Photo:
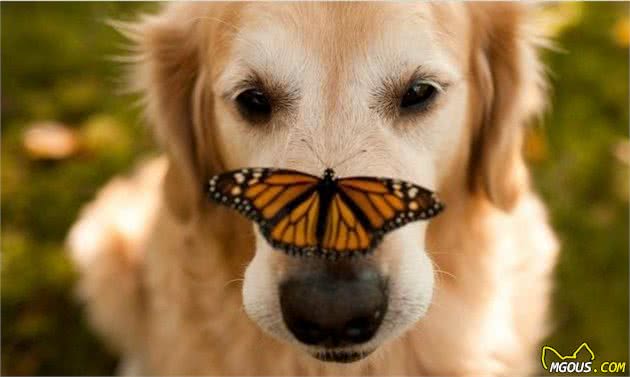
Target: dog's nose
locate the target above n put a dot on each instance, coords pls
(334, 305)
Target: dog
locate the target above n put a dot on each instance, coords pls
(438, 94)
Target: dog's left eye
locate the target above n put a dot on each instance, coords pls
(419, 95)
(254, 105)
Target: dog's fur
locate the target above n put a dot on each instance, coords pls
(161, 267)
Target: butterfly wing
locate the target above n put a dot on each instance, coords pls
(346, 231)
(376, 206)
(284, 203)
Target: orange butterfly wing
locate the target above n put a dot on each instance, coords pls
(344, 232)
(296, 230)
(364, 209)
(385, 204)
(283, 202)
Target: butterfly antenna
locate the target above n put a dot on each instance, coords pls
(314, 153)
(349, 158)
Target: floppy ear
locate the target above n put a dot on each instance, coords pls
(507, 89)
(167, 71)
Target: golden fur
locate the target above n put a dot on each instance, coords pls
(161, 268)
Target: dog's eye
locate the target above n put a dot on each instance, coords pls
(254, 105)
(418, 96)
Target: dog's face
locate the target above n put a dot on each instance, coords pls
(393, 79)
(384, 82)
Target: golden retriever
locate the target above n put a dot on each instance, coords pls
(437, 93)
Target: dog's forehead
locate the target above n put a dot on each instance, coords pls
(287, 41)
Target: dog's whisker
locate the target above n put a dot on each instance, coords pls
(439, 272)
(445, 273)
(233, 281)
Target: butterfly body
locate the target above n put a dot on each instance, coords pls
(304, 214)
(326, 190)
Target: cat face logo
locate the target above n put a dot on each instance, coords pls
(579, 362)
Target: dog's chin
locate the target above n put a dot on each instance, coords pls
(340, 356)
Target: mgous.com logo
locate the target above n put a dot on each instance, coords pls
(580, 361)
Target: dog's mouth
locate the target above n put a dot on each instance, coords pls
(341, 356)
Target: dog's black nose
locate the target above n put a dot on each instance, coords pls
(334, 305)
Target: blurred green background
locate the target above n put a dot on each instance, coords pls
(59, 83)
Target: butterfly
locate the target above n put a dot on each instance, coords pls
(307, 215)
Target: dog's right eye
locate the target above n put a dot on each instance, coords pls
(418, 96)
(254, 105)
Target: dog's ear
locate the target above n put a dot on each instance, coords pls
(506, 92)
(168, 72)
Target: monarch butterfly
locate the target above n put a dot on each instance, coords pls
(305, 215)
